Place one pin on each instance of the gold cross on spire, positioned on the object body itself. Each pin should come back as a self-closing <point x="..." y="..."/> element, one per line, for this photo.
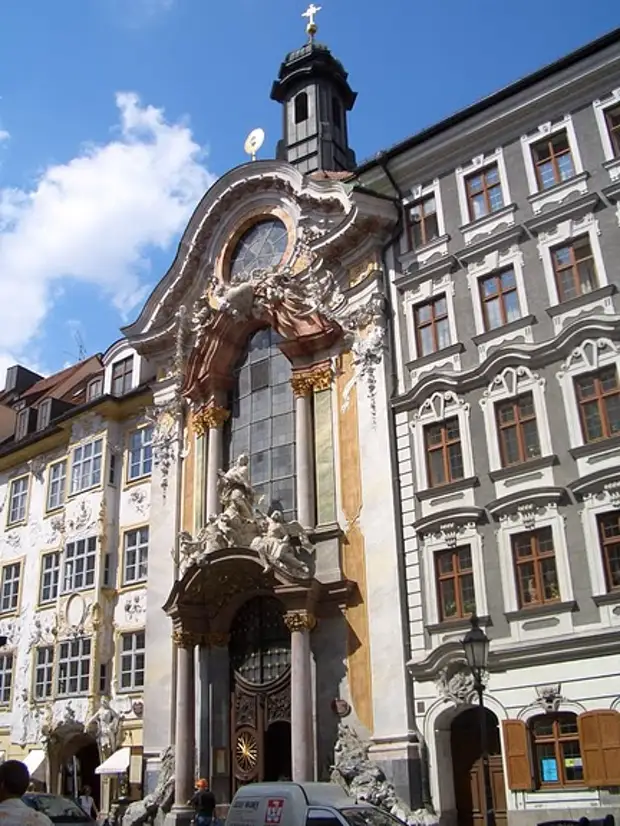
<point x="310" y="13"/>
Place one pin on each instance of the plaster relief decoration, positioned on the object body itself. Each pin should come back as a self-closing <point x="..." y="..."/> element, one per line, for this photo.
<point x="588" y="355"/>
<point x="76" y="617"/>
<point x="42" y="631"/>
<point x="139" y="499"/>
<point x="105" y="726"/>
<point x="11" y="629"/>
<point x="27" y="727"/>
<point x="37" y="467"/>
<point x="282" y="545"/>
<point x="549" y="697"/>
<point x="528" y="514"/>
<point x="135" y="607"/>
<point x="455" y="683"/>
<point x="80" y="517"/>
<point x="13" y="539"/>
<point x="364" y="780"/>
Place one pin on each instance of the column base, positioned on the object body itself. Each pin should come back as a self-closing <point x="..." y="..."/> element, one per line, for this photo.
<point x="180" y="816"/>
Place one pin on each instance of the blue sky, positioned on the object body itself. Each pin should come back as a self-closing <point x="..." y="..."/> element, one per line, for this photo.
<point x="116" y="115"/>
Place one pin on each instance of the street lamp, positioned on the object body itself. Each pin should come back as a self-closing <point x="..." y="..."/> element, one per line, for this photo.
<point x="476" y="646"/>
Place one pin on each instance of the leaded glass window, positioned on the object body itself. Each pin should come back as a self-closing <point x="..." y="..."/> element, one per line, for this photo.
<point x="260" y="248"/>
<point x="260" y="644"/>
<point x="262" y="423"/>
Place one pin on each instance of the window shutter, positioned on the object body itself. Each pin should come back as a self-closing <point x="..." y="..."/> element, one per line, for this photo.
<point x="599" y="737"/>
<point x="517" y="755"/>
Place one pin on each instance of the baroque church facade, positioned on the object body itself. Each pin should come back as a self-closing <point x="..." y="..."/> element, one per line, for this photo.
<point x="365" y="403"/>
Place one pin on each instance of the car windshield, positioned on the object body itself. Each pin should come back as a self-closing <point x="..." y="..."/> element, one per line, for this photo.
<point x="57" y="807"/>
<point x="367" y="816"/>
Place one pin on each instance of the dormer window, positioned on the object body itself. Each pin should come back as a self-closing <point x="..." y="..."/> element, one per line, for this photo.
<point x="122" y="375"/>
<point x="21" y="428"/>
<point x="44" y="414"/>
<point x="94" y="389"/>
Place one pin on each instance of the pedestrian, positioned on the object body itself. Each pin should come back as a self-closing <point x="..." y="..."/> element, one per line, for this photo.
<point x="14" y="780"/>
<point x="87" y="803"/>
<point x="204" y="803"/>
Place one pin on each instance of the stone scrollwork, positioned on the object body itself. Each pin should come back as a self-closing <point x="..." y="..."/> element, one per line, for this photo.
<point x="185" y="639"/>
<point x="282" y="545"/>
<point x="210" y="418"/>
<point x="299" y="621"/>
<point x="455" y="684"/>
<point x="549" y="697"/>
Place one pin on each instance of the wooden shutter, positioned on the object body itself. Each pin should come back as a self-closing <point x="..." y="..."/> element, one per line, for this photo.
<point x="517" y="755"/>
<point x="599" y="738"/>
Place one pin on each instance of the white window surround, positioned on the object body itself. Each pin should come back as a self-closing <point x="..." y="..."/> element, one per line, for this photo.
<point x="135" y="374"/>
<point x="600" y="108"/>
<point x="490" y="222"/>
<point x="589" y="356"/>
<point x="595" y="505"/>
<point x="425" y="292"/>
<point x="438" y="408"/>
<point x="434" y="543"/>
<point x="564" y="233"/>
<point x="494" y="262"/>
<point x="541" y="197"/>
<point x="510" y="383"/>
<point x="420" y="192"/>
<point x="524" y="520"/>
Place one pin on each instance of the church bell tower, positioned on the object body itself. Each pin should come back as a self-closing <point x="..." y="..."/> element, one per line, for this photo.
<point x="313" y="88"/>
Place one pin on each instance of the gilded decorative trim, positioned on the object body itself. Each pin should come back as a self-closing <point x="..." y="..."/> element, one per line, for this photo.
<point x="190" y="639"/>
<point x="185" y="639"/>
<point x="299" y="621"/>
<point x="304" y="382"/>
<point x="209" y="418"/>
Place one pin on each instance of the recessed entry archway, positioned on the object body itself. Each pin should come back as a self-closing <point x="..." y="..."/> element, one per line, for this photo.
<point x="79" y="759"/>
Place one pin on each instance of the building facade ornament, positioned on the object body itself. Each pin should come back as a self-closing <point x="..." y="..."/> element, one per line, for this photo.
<point x="299" y="621"/>
<point x="455" y="684"/>
<point x="282" y="545"/>
<point x="185" y="639"/>
<point x="209" y="418"/>
<point x="105" y="725"/>
<point x="549" y="697"/>
<point x="305" y="382"/>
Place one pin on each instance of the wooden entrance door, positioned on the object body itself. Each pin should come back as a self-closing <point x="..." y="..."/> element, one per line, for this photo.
<point x="468" y="769"/>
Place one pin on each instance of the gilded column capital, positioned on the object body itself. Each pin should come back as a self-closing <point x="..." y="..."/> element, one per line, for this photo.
<point x="209" y="418"/>
<point x="299" y="621"/>
<point x="185" y="639"/>
<point x="305" y="382"/>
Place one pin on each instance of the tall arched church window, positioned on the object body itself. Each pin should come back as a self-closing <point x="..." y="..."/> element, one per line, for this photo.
<point x="301" y="107"/>
<point x="262" y="422"/>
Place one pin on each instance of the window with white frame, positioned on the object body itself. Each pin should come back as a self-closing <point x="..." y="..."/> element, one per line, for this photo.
<point x="22" y="424"/>
<point x="18" y="500"/>
<point x="122" y="376"/>
<point x="598" y="397"/>
<point x="533" y="557"/>
<point x="94" y="389"/>
<point x="591" y="416"/>
<point x="515" y="418"/>
<point x="132" y="661"/>
<point x="553" y="163"/>
<point x="44" y="412"/>
<point x="432" y="326"/>
<point x="6" y="678"/>
<point x="553" y="160"/>
<point x="86" y="466"/>
<point x="484" y="192"/>
<point x="50" y="576"/>
<point x="498" y="289"/>
<point x="609" y="538"/>
<point x="442" y="441"/>
<point x="454" y="587"/>
<point x="79" y="565"/>
<point x="9" y="587"/>
<point x="74" y="666"/>
<point x="140" y="453"/>
<point x="423" y="222"/>
<point x="43" y="672"/>
<point x="136" y="555"/>
<point x="57" y="485"/>
<point x="607" y="113"/>
<point x="612" y="122"/>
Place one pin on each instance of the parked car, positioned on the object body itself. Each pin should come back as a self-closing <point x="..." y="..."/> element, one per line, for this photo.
<point x="60" y="810"/>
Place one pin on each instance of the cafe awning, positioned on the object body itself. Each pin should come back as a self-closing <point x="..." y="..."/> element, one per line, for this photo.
<point x="117" y="763"/>
<point x="35" y="761"/>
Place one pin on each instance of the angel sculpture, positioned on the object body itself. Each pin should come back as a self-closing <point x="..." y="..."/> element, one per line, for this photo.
<point x="279" y="546"/>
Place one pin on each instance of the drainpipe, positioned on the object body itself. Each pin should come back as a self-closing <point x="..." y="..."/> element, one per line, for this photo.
<point x="422" y="750"/>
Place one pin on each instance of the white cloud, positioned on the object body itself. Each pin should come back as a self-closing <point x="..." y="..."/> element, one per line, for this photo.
<point x="95" y="219"/>
<point x="4" y="135"/>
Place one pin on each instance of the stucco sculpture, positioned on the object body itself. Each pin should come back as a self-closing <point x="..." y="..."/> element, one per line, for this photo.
<point x="241" y="524"/>
<point x="153" y="807"/>
<point x="365" y="780"/>
<point x="105" y="724"/>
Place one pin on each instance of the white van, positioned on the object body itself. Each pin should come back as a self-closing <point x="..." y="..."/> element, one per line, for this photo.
<point x="302" y="804"/>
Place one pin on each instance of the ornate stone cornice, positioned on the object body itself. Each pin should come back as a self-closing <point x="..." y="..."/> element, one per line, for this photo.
<point x="209" y="418"/>
<point x="299" y="621"/>
<point x="305" y="382"/>
<point x="185" y="639"/>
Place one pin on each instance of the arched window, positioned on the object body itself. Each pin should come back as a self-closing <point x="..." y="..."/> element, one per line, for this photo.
<point x="301" y="107"/>
<point x="260" y="645"/>
<point x="556" y="750"/>
<point x="262" y="423"/>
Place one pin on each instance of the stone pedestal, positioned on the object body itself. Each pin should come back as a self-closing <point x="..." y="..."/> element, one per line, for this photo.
<point x="300" y="624"/>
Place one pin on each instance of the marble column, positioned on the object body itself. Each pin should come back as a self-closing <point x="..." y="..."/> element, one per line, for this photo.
<point x="300" y="624"/>
<point x="304" y="454"/>
<point x="185" y="727"/>
<point x="211" y="421"/>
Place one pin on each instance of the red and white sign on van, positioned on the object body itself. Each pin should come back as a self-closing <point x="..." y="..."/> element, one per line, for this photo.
<point x="273" y="814"/>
